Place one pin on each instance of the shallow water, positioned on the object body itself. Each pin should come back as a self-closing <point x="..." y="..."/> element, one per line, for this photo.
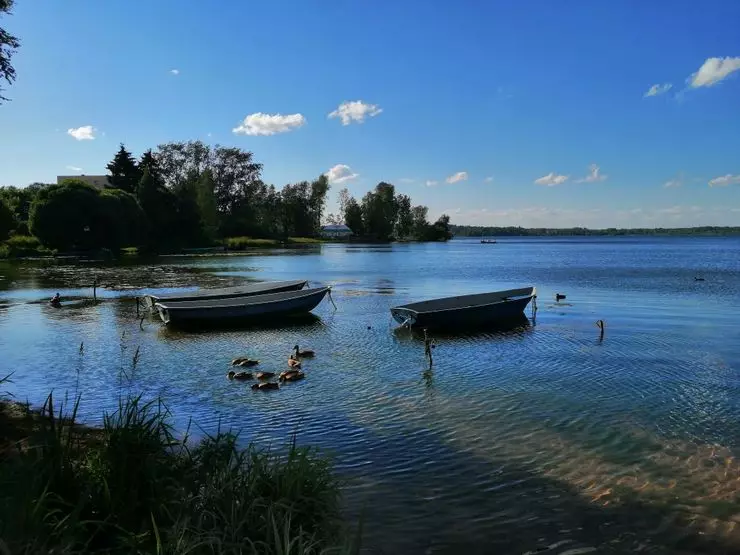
<point x="542" y="438"/>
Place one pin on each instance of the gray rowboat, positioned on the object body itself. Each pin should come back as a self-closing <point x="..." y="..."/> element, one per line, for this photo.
<point x="465" y="311"/>
<point x="255" y="308"/>
<point x="261" y="288"/>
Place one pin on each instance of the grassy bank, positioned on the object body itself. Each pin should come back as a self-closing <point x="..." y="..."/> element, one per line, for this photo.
<point x="243" y="243"/>
<point x="133" y="487"/>
<point x="22" y="246"/>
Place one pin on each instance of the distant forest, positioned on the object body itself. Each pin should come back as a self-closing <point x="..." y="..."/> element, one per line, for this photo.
<point x="479" y="231"/>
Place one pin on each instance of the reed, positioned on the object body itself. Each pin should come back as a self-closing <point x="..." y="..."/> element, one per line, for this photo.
<point x="132" y="486"/>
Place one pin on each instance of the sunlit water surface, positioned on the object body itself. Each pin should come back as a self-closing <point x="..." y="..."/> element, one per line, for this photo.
<point x="542" y="438"/>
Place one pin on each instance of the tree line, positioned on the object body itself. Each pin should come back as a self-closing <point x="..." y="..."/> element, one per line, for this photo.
<point x="486" y="231"/>
<point x="189" y="194"/>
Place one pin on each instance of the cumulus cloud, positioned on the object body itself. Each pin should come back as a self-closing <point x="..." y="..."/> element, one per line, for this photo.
<point x="341" y="173"/>
<point x="175" y="71"/>
<point x="725" y="180"/>
<point x="658" y="89"/>
<point x="355" y="112"/>
<point x="551" y="179"/>
<point x="714" y="70"/>
<point x="269" y="124"/>
<point x="84" y="133"/>
<point x="430" y="183"/>
<point x="594" y="175"/>
<point x="74" y="168"/>
<point x="459" y="176"/>
<point x="488" y="179"/>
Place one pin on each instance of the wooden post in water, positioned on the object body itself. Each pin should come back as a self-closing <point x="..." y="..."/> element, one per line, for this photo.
<point x="95" y="287"/>
<point x="428" y="345"/>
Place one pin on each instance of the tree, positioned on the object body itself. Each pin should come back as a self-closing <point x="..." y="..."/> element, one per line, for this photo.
<point x="8" y="46"/>
<point x="149" y="162"/>
<point x="353" y="217"/>
<point x="333" y="219"/>
<point x="68" y="216"/>
<point x="317" y="202"/>
<point x="440" y="231"/>
<point x="404" y="218"/>
<point x="344" y="199"/>
<point x="7" y="220"/>
<point x="420" y="223"/>
<point x="206" y="197"/>
<point x="379" y="211"/>
<point x="160" y="209"/>
<point x="124" y="220"/>
<point x="124" y="172"/>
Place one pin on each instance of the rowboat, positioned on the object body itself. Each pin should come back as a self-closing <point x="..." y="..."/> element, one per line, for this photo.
<point x="261" y="288"/>
<point x="465" y="310"/>
<point x="255" y="307"/>
<point x="488" y="241"/>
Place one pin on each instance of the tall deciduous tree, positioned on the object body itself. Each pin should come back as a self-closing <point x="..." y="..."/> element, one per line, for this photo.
<point x="420" y="225"/>
<point x="7" y="220"/>
<point x="344" y="198"/>
<point x="353" y="217"/>
<point x="8" y="46"/>
<point x="404" y="218"/>
<point x="317" y="202"/>
<point x="205" y="192"/>
<point x="379" y="211"/>
<point x="123" y="171"/>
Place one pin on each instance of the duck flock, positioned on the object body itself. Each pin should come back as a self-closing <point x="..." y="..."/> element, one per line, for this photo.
<point x="264" y="382"/>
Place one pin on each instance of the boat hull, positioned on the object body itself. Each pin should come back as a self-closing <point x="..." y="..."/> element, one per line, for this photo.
<point x="262" y="288"/>
<point x="251" y="309"/>
<point x="463" y="317"/>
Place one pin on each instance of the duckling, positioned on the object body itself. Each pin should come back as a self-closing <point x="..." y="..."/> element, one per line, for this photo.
<point x="292" y="376"/>
<point x="265" y="386"/>
<point x="293" y="362"/>
<point x="239" y="375"/>
<point x="305" y="353"/>
<point x="559" y="297"/>
<point x="264" y="375"/>
<point x="286" y="373"/>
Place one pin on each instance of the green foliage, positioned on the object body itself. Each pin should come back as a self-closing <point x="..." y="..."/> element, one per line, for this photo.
<point x="23" y="245"/>
<point x="420" y="224"/>
<point x="7" y="220"/>
<point x="483" y="231"/>
<point x="206" y="198"/>
<point x="379" y="212"/>
<point x="404" y="219"/>
<point x="125" y="220"/>
<point x="124" y="172"/>
<point x="8" y="46"/>
<point x="19" y="199"/>
<point x="133" y="487"/>
<point x="353" y="217"/>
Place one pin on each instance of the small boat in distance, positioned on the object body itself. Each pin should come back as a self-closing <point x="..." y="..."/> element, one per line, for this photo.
<point x="465" y="311"/>
<point x="488" y="241"/>
<point x="255" y="307"/>
<point x="260" y="288"/>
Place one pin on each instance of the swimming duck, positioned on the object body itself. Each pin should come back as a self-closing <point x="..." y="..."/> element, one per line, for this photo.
<point x="239" y="375"/>
<point x="292" y="376"/>
<point x="559" y="296"/>
<point x="244" y="361"/>
<point x="698" y="279"/>
<point x="304" y="353"/>
<point x="265" y="386"/>
<point x="293" y="362"/>
<point x="264" y="375"/>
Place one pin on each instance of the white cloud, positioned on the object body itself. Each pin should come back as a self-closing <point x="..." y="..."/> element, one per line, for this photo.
<point x="84" y="133"/>
<point x="488" y="179"/>
<point x="269" y="124"/>
<point x="593" y="176"/>
<point x="658" y="89"/>
<point x="175" y="71"/>
<point x="551" y="179"/>
<point x="725" y="180"/>
<point x="459" y="176"/>
<point x="714" y="70"/>
<point x="341" y="173"/>
<point x="74" y="168"/>
<point x="355" y="111"/>
<point x="430" y="183"/>
<point x="672" y="183"/>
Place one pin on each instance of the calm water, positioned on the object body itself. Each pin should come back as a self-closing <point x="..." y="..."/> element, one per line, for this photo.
<point x="536" y="439"/>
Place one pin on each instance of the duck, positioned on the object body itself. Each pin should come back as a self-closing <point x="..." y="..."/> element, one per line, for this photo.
<point x="264" y="375"/>
<point x="265" y="386"/>
<point x="292" y="376"/>
<point x="293" y="362"/>
<point x="559" y="296"/>
<point x="305" y="353"/>
<point x="239" y="375"/>
<point x="698" y="278"/>
<point x="244" y="361"/>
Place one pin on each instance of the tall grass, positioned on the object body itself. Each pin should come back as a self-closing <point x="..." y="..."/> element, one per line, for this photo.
<point x="133" y="487"/>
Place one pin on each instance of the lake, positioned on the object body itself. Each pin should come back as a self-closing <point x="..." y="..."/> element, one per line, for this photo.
<point x="541" y="438"/>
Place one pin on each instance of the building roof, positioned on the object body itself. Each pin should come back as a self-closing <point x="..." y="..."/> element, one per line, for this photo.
<point x="336" y="227"/>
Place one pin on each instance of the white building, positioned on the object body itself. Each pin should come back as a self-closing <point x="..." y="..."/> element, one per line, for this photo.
<point x="98" y="181"/>
<point x="336" y="231"/>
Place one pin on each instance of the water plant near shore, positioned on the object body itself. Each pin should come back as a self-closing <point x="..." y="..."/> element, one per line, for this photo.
<point x="132" y="486"/>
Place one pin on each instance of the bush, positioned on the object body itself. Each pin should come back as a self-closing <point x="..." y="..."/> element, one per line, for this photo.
<point x="241" y="243"/>
<point x="24" y="245"/>
<point x="7" y="220"/>
<point x="132" y="487"/>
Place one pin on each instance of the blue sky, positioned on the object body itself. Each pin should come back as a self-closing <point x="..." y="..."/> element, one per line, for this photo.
<point x="538" y="113"/>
